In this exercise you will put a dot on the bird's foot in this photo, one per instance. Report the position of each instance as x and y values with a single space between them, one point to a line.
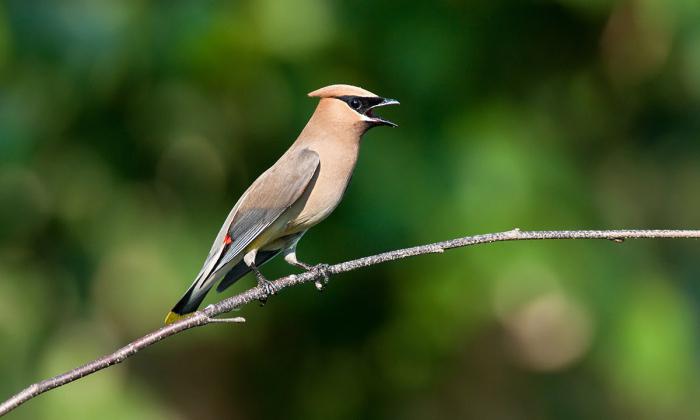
322 270
318 269
268 287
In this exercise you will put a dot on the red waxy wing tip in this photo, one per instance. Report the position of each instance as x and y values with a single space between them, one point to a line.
227 239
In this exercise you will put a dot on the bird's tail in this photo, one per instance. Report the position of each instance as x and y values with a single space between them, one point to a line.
188 303
193 297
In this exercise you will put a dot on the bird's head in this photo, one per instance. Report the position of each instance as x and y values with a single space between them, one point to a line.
353 104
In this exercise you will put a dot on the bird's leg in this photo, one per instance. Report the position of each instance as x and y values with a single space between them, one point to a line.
268 287
290 256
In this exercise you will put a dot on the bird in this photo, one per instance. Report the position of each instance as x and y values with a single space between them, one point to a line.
297 192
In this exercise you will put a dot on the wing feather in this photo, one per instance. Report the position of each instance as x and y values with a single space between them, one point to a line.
273 193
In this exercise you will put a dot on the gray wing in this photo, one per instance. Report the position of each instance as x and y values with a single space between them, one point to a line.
274 192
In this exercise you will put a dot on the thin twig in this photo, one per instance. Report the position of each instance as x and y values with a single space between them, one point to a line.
208 314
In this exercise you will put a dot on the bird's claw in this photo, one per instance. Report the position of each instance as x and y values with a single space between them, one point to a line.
269 289
321 269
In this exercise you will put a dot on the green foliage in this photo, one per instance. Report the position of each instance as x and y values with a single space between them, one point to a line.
128 129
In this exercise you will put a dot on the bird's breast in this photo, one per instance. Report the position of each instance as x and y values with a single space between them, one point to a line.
336 168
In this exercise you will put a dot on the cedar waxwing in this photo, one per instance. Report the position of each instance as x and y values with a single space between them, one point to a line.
301 189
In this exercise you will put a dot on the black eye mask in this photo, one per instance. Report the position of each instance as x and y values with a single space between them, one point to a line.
361 104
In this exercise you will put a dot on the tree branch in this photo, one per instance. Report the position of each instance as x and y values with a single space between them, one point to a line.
206 315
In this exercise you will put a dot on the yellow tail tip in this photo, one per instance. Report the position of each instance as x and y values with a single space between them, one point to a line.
172 317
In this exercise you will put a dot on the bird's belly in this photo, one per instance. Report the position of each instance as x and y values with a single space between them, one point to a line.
321 203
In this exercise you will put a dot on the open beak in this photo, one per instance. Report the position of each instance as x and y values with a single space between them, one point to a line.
377 120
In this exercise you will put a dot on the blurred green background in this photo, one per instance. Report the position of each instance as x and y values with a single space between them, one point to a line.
129 128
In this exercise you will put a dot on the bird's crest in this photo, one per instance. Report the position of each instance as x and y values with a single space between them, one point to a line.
333 91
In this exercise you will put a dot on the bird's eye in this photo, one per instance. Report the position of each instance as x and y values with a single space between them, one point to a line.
355 103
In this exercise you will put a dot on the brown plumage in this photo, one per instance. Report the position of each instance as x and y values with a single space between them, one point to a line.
300 190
